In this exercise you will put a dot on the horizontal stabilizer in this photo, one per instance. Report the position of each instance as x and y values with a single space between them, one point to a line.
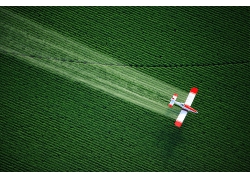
172 100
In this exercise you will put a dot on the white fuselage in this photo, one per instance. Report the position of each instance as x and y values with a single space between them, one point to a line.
185 107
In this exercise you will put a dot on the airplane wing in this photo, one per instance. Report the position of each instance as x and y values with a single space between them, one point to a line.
191 96
180 118
189 101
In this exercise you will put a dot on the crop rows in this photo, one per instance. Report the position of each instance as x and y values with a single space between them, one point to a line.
70 115
50 123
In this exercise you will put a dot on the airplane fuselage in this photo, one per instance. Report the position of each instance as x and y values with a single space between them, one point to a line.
185 107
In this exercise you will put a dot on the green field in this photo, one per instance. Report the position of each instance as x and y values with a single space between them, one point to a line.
87 88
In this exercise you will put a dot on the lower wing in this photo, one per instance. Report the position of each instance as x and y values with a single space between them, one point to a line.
180 118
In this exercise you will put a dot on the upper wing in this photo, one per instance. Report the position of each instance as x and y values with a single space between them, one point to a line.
191 96
180 118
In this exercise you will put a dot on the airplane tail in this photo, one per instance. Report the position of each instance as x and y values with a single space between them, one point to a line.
172 100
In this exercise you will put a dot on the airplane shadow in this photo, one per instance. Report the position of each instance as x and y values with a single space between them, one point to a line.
168 139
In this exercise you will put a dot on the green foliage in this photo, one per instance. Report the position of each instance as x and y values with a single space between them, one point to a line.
48 123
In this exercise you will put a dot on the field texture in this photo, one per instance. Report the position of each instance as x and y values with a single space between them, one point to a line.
87 88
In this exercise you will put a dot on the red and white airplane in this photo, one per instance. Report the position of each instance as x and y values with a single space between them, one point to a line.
186 107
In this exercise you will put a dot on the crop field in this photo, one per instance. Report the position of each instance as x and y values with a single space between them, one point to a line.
87 88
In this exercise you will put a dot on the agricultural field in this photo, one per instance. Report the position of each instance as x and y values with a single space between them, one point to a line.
87 88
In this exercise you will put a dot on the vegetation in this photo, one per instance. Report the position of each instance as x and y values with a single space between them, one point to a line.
51 123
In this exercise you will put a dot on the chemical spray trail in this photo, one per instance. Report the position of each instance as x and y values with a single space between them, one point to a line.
61 55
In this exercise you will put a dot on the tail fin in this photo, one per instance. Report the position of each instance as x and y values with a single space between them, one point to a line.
172 100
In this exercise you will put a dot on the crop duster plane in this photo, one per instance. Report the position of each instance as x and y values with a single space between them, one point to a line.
186 107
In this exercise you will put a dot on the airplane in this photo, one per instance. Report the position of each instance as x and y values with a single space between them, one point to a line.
186 107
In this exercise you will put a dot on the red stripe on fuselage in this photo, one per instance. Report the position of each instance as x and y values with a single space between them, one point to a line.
188 107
